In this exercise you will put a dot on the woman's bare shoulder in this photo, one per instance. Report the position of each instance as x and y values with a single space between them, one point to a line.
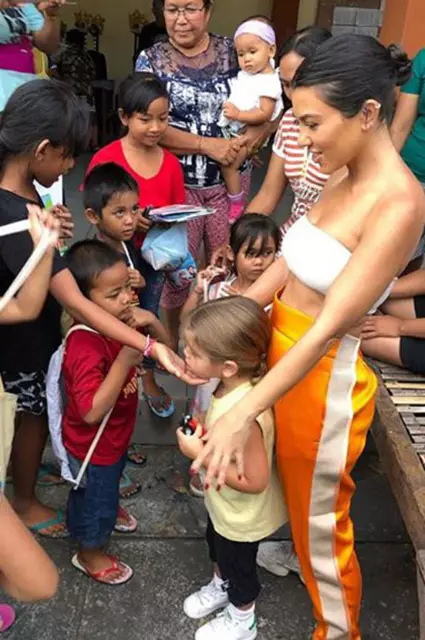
403 194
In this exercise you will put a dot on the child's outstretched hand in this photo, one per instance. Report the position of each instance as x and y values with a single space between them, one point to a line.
39 220
230 111
190 446
137 281
205 277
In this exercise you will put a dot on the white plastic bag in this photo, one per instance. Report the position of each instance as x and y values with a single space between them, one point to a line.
166 249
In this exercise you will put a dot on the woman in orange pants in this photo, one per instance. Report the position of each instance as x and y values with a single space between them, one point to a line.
337 264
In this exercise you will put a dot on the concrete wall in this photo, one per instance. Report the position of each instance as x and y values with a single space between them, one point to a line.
404 22
117 41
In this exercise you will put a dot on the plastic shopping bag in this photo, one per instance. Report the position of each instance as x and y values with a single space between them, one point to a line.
166 249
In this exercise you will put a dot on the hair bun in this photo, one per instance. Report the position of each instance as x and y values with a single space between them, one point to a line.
402 64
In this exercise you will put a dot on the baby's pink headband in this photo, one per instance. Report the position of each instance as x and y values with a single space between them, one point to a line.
257 28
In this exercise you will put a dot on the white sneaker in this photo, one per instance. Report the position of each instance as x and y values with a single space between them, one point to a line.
224 627
205 601
279 558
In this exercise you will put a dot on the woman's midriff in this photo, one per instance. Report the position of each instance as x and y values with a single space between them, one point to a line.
298 296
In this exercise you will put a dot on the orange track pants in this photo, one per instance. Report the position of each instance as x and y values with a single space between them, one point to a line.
322 424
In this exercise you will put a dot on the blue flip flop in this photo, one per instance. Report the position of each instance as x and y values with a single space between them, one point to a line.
39 528
158 404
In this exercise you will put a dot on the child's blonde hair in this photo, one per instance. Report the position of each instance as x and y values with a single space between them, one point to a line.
233 328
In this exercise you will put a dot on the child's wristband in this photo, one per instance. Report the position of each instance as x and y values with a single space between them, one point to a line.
150 343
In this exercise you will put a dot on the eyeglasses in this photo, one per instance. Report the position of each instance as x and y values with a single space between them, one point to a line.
187 12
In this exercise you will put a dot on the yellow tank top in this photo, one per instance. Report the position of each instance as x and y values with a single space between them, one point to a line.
244 517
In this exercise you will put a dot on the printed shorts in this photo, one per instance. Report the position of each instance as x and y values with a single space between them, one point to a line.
30 389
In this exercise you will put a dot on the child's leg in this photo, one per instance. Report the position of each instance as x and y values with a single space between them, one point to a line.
28 445
91 517
232 179
237 566
214 595
159 401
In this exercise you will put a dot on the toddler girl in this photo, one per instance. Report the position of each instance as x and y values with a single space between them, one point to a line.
228 339
254 241
256 96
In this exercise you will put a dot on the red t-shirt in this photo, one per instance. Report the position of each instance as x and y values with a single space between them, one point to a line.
87 360
166 188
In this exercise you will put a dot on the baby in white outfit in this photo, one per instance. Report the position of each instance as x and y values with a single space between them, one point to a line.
256 97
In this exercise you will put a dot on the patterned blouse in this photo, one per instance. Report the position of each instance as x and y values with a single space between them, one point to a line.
198 88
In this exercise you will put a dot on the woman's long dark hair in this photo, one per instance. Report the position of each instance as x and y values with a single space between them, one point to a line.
43 110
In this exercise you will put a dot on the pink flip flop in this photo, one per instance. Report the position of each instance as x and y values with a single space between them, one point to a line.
7 617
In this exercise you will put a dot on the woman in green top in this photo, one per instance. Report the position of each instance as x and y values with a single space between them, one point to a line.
408 132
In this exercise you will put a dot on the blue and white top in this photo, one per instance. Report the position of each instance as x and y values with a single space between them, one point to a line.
198 89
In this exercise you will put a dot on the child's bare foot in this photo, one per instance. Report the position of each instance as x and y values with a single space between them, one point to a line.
102 567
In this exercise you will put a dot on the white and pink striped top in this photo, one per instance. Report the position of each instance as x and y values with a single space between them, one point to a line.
303 173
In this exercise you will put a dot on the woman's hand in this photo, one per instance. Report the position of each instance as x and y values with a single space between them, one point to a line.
137 281
222 151
174 364
64 216
190 446
254 137
381 327
230 111
225 443
39 220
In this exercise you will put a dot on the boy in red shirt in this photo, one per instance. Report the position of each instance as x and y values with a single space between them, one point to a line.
100 374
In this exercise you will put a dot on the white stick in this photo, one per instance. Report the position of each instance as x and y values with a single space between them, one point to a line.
14 227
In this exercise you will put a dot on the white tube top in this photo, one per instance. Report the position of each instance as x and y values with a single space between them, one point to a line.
316 258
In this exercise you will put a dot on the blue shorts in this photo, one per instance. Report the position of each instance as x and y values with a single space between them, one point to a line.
93 507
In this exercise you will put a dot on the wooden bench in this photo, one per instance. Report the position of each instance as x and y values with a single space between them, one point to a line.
399 433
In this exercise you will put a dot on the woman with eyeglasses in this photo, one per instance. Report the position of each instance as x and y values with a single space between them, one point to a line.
290 163
197 67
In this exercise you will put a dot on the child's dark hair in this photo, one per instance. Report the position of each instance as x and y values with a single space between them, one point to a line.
138 91
87 259
249 228
304 42
234 328
350 69
103 183
43 110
